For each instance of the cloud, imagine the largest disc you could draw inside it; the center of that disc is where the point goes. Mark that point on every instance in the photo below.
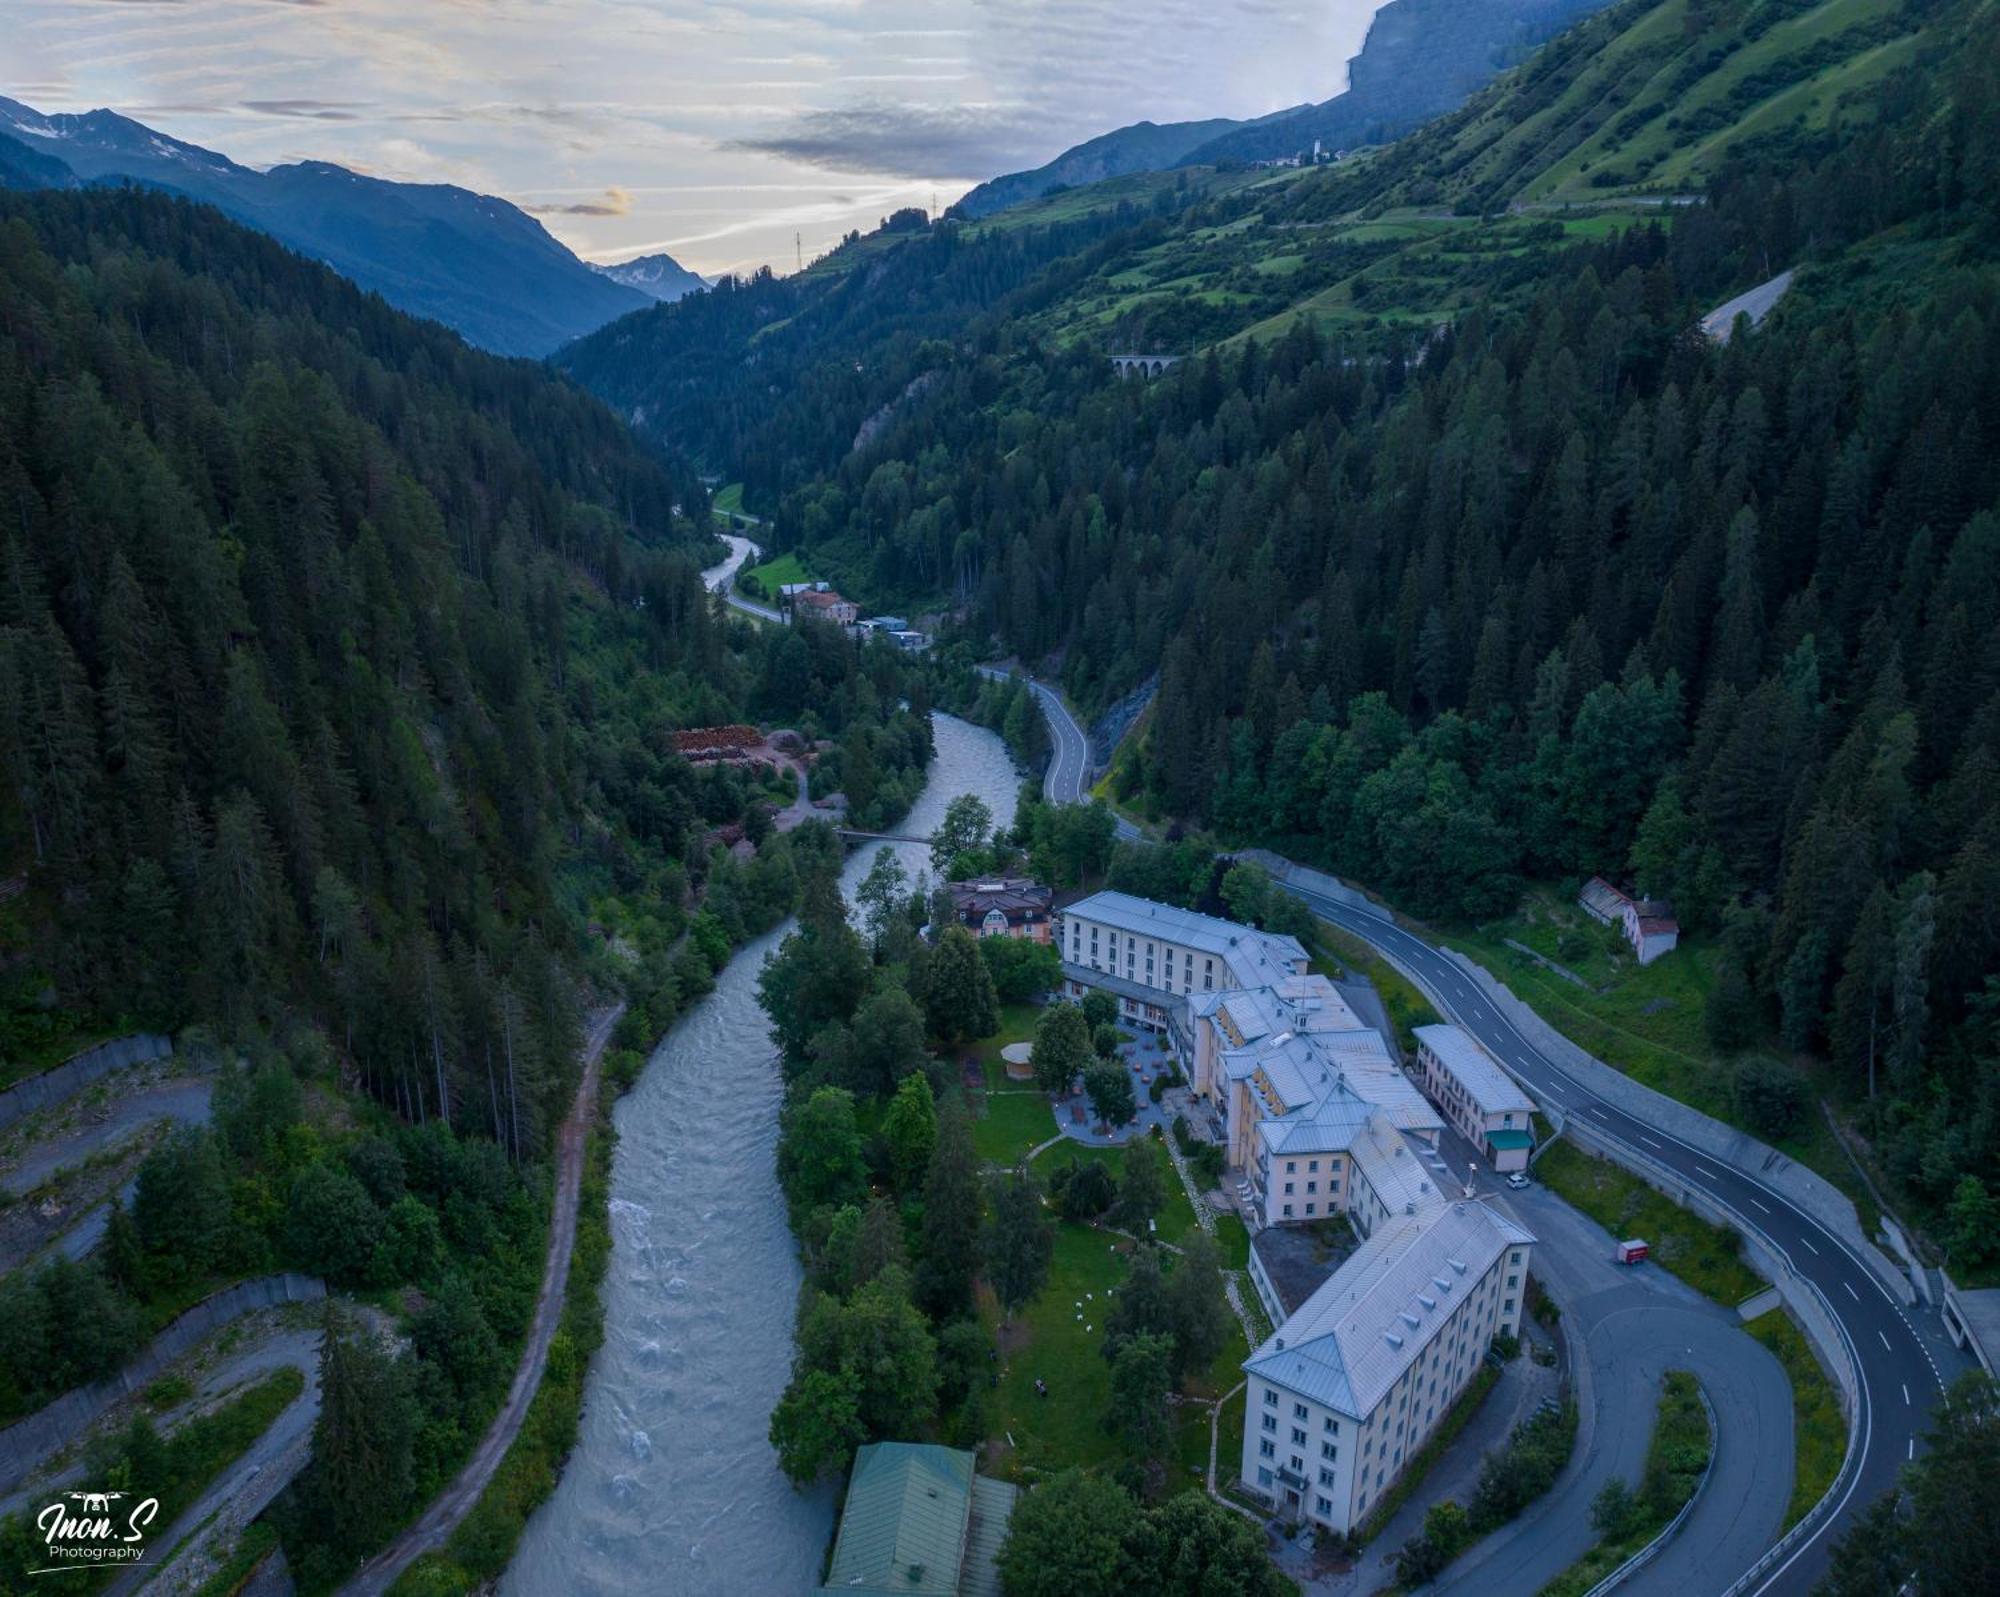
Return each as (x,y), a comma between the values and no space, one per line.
(616,202)
(909,140)
(313,110)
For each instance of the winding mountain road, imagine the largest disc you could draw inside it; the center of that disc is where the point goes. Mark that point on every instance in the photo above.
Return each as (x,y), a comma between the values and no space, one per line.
(1900,1378)
(722,578)
(1068,777)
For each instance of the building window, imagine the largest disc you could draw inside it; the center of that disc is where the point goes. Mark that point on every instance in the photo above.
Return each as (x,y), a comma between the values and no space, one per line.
(1288,1186)
(1510,1305)
(1288,1211)
(1325,1507)
(1312,1164)
(1263,1477)
(1270,1398)
(1328,1451)
(1266,1450)
(1312,1186)
(1270,1422)
(1300,1411)
(1298,1437)
(1330,1426)
(1310,1207)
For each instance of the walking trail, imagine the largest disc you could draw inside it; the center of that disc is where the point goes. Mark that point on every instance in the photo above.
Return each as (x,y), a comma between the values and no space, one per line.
(456,1500)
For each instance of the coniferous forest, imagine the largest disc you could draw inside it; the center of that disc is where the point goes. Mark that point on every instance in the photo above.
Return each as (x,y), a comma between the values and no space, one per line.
(1450,544)
(1562,586)
(339,667)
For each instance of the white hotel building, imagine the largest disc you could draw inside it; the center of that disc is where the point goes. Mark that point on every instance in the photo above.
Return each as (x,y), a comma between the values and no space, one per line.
(1345,1392)
(1322,1121)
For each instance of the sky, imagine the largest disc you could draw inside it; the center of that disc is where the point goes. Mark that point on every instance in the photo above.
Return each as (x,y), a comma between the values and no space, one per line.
(715,132)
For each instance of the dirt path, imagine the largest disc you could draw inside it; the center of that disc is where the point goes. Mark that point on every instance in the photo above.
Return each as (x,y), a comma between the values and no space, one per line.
(455,1501)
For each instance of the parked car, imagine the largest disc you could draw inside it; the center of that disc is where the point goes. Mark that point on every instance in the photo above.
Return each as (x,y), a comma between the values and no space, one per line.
(1518,1181)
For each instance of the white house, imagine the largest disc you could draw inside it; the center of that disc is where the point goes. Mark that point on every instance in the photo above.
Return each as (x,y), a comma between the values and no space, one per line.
(1481,1100)
(1648,923)
(1344,1393)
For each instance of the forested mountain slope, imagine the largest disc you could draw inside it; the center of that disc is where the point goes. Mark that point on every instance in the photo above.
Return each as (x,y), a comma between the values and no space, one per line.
(337,662)
(472,261)
(1421,58)
(1563,587)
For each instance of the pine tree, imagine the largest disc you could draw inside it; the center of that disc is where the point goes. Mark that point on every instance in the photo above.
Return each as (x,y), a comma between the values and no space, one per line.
(959,998)
(1020,1240)
(951,1219)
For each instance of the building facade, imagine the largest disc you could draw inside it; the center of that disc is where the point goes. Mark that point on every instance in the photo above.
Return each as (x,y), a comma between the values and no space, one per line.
(1153,957)
(1346,1391)
(1015,906)
(824,604)
(1648,923)
(1484,1103)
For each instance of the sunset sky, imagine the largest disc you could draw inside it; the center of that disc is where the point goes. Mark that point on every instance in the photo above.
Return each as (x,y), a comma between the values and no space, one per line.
(711,131)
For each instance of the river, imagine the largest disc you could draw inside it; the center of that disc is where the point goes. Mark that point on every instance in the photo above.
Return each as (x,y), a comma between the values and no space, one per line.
(673,1490)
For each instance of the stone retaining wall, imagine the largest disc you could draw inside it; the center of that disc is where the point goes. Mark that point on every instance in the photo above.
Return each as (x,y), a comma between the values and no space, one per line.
(74,1074)
(29,1443)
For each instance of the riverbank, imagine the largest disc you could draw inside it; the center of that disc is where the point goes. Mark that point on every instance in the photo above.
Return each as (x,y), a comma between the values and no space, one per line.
(673,1487)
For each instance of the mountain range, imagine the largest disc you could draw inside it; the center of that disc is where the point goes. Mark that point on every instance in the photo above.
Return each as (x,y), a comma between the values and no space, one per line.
(659,277)
(472,261)
(1421,58)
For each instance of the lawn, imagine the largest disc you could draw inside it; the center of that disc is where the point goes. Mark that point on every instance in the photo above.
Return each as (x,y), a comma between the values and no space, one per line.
(728,501)
(1010,1123)
(1017,1024)
(1705,1256)
(1819,1429)
(1646,1022)
(774,574)
(1049,1341)
(1233,1237)
(1174,1223)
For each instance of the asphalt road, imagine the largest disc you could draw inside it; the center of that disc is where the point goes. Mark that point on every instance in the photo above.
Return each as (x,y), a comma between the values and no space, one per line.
(246,1488)
(722,578)
(1068,775)
(1900,1382)
(182,1100)
(1632,1326)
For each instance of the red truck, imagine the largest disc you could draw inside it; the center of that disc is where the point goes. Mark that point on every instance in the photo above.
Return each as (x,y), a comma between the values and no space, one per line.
(1632,1252)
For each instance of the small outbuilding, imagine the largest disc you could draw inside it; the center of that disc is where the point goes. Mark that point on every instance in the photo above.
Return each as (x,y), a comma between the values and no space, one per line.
(919,1522)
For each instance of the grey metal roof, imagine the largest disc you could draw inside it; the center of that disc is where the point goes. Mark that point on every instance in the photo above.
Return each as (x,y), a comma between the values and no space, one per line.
(1477,1071)
(992,1506)
(1255,958)
(1353,1338)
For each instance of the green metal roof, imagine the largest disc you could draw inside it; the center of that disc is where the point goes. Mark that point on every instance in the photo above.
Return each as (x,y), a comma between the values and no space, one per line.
(1511,1139)
(903,1530)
